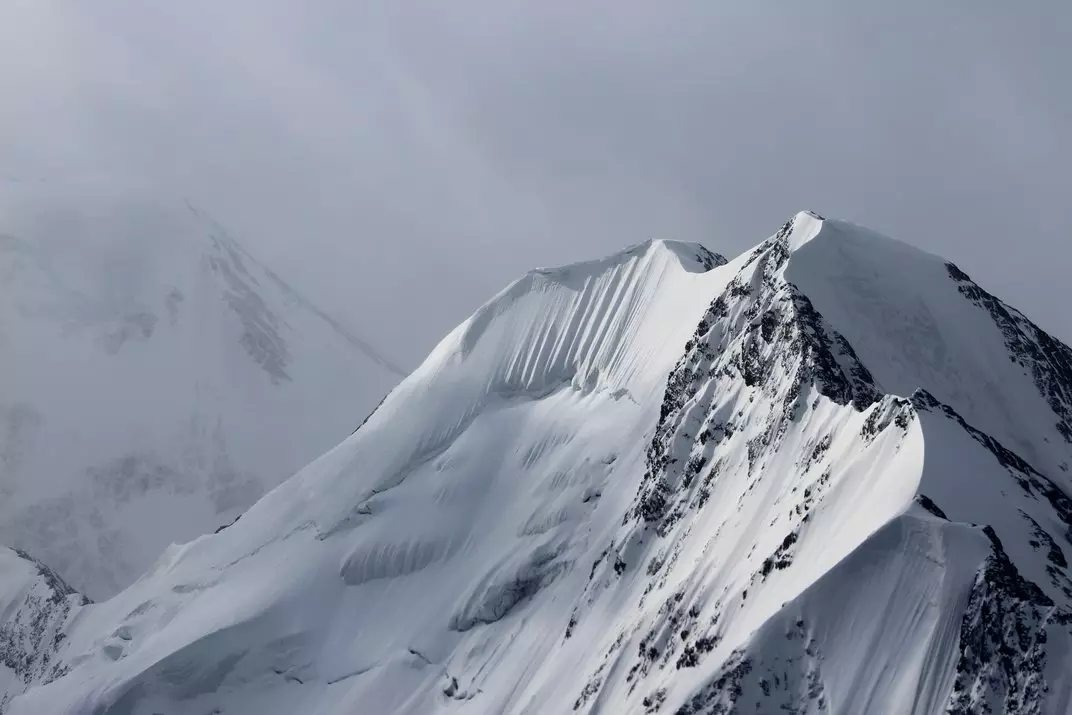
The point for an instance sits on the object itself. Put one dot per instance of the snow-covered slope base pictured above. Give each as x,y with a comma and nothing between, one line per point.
158,380
828,476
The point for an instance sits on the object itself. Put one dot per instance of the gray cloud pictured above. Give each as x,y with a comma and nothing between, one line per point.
402,161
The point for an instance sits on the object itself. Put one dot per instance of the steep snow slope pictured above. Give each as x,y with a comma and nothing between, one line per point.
158,380
660,482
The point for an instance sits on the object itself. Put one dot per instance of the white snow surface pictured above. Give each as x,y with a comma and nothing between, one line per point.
157,379
823,477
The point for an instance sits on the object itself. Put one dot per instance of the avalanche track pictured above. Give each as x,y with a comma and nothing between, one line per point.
828,476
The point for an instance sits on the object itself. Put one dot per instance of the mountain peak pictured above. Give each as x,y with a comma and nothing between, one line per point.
692,257
800,229
918,321
808,231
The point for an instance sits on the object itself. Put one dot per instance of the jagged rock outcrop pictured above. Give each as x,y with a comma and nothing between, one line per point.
36,608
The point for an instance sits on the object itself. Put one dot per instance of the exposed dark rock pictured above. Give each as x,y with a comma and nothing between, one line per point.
232,523
1002,641
721,694
710,259
370,414
782,558
31,635
261,337
927,503
1047,360
790,345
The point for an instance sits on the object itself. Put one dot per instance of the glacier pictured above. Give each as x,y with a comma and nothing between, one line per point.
829,475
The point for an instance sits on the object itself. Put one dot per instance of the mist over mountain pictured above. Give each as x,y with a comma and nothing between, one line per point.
158,378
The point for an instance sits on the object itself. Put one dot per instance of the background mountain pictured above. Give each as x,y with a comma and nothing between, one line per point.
827,476
157,379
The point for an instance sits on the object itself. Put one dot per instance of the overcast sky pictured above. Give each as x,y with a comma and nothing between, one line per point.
402,160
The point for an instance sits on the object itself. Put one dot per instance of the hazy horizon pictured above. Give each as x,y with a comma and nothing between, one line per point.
402,163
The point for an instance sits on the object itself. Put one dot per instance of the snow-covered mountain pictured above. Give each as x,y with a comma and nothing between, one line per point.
36,607
157,380
828,476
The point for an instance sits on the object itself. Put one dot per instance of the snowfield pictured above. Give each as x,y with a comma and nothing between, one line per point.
827,476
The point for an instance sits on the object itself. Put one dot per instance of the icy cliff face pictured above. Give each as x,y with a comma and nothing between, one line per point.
825,476
158,381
